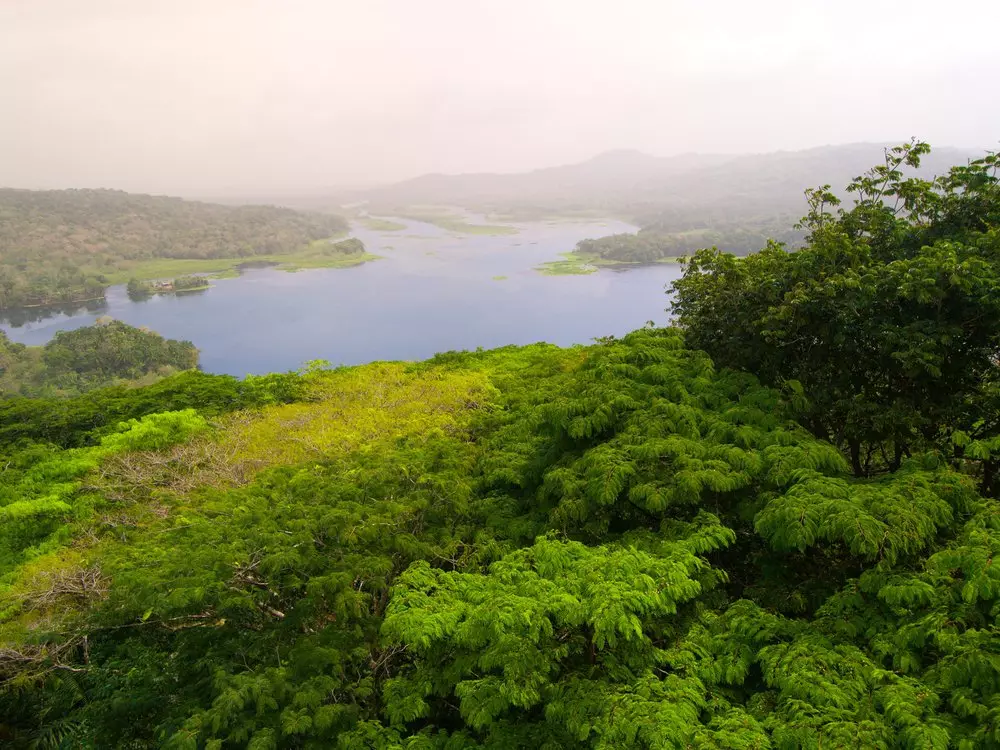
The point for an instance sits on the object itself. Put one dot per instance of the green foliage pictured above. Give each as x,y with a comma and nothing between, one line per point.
101,353
72,422
67,245
889,317
91,357
381,224
189,283
613,546
651,245
155,432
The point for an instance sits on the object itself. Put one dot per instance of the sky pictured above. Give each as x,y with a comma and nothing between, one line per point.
203,97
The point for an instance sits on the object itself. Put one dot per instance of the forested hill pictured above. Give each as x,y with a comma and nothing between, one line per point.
67,245
773,526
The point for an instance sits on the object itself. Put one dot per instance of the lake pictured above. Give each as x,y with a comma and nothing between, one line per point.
432,291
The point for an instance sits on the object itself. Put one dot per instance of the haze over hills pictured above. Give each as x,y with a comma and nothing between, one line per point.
631,182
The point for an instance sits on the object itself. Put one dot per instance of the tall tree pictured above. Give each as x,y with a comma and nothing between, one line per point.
888,318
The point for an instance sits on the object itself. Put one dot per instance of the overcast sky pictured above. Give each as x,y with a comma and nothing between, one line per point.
215,96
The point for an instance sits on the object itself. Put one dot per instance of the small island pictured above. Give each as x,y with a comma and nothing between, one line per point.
181,285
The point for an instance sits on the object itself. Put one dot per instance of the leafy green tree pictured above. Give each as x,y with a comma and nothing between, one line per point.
888,318
137,289
99,354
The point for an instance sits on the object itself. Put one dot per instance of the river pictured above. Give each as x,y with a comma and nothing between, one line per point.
432,291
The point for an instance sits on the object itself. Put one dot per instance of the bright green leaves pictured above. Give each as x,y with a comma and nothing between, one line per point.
607,547
40,502
663,433
881,520
503,641
155,432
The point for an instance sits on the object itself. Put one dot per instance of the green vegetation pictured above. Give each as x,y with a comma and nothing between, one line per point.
324,253
189,283
573,265
887,318
650,246
140,289
500,278
77,361
615,251
637,545
379,224
68,245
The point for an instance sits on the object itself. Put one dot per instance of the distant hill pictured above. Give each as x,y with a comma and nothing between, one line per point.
67,245
594,182
644,187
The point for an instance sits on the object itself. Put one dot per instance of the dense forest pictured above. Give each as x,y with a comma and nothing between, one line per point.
772,525
63,246
83,359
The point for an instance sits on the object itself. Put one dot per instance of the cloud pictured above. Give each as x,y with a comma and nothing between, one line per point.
229,95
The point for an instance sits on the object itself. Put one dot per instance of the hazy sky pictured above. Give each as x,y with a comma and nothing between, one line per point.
212,96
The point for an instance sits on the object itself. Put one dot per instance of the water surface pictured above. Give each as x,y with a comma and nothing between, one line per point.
432,291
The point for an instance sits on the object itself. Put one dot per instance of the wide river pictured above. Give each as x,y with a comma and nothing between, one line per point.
432,291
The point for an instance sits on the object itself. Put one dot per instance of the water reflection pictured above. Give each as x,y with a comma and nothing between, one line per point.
22,316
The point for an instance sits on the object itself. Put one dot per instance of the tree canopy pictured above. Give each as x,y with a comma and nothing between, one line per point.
642,543
888,318
91,357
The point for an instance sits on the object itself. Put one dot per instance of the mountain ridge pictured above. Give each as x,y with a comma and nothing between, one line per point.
635,184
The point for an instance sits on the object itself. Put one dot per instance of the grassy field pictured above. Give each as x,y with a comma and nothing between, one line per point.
379,224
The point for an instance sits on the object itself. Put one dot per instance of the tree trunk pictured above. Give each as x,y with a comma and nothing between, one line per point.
897,456
855,446
986,489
